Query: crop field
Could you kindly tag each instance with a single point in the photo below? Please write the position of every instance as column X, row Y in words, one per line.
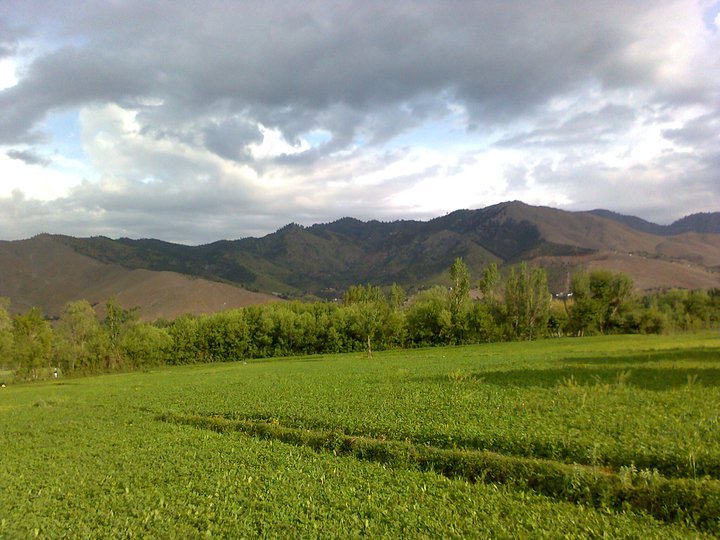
column 613, row 437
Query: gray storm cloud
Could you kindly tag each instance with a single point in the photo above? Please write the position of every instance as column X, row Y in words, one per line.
column 348, row 87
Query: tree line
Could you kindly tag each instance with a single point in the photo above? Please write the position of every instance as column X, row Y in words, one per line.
column 514, row 306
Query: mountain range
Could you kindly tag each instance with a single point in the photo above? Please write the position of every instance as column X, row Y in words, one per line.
column 322, row 260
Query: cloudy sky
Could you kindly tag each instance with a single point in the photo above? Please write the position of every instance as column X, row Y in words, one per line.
column 197, row 121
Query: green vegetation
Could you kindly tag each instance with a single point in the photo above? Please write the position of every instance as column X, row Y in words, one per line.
column 612, row 436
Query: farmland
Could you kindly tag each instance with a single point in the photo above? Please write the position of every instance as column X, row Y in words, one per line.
column 616, row 436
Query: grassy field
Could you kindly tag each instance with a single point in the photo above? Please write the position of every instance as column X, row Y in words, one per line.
column 611, row 436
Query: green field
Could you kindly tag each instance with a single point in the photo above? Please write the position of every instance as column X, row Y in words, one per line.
column 607, row 436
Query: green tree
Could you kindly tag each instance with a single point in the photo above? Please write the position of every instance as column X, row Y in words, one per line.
column 6, row 333
column 527, row 302
column 429, row 321
column 481, row 325
column 81, row 345
column 223, row 337
column 460, row 289
column 489, row 283
column 357, row 294
column 117, row 321
column 397, row 297
column 366, row 308
column 144, row 345
column 33, row 340
column 600, row 299
column 260, row 330
column 185, row 347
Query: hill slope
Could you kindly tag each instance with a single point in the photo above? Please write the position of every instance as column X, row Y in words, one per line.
column 704, row 222
column 45, row 272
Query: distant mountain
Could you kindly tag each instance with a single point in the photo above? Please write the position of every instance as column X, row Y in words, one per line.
column 704, row 223
column 322, row 260
column 633, row 222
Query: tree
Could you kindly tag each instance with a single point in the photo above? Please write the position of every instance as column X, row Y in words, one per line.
column 144, row 345
column 460, row 290
column 185, row 348
column 600, row 298
column 223, row 337
column 81, row 344
column 489, row 283
column 117, row 320
column 366, row 307
column 363, row 293
column 397, row 297
column 527, row 302
column 429, row 321
column 6, row 335
column 33, row 341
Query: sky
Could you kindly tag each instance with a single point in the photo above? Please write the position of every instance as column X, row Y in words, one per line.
column 198, row 121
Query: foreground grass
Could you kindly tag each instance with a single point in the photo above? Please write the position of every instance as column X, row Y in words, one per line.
column 91, row 457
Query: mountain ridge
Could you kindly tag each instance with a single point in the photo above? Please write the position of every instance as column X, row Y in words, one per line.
column 322, row 260
column 701, row 222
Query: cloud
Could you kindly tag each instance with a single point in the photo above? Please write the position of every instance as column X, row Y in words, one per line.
column 29, row 157
column 203, row 124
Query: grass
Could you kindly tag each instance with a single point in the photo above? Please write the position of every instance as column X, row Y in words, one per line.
column 340, row 446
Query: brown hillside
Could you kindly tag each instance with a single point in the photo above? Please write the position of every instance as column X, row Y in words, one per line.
column 703, row 249
column 653, row 254
column 648, row 273
column 583, row 229
column 46, row 273
column 651, row 274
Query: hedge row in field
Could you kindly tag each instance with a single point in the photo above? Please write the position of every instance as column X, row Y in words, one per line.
column 696, row 502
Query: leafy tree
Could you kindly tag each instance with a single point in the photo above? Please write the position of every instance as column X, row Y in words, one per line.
column 366, row 308
column 81, row 345
column 585, row 311
column 260, row 330
column 697, row 309
column 33, row 340
column 429, row 320
column 480, row 323
column 117, row 320
column 600, row 299
column 558, row 320
column 527, row 302
column 223, row 337
column 144, row 345
column 489, row 283
column 397, row 297
column 328, row 327
column 460, row 290
column 357, row 294
column 6, row 332
column 185, row 347
column 651, row 320
column 288, row 331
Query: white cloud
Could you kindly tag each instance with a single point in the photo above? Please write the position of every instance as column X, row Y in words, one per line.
column 35, row 181
column 274, row 145
column 8, row 77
